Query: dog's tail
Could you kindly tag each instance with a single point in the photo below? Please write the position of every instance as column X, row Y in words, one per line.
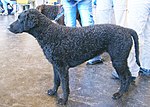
column 136, row 44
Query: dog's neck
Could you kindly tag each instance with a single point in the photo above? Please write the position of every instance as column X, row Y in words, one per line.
column 44, row 31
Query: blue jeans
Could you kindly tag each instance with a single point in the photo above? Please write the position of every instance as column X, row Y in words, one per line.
column 5, row 2
column 85, row 10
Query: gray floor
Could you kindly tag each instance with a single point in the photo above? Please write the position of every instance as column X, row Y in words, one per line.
column 25, row 77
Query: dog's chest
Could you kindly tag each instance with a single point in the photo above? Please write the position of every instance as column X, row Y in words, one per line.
column 47, row 52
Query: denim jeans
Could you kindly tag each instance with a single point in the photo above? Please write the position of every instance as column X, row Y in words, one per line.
column 85, row 10
column 5, row 2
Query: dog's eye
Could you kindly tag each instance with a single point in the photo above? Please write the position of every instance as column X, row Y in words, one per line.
column 19, row 19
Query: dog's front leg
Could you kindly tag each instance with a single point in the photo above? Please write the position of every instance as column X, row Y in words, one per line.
column 53, row 91
column 64, row 76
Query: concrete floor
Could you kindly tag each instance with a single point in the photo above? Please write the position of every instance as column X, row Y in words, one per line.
column 25, row 77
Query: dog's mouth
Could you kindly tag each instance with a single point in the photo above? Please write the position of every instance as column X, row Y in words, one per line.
column 13, row 30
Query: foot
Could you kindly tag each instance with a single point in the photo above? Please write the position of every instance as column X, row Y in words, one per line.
column 12, row 13
column 5, row 13
column 116, row 96
column 115, row 76
column 1, row 10
column 51, row 92
column 95, row 60
column 62, row 101
column 144, row 71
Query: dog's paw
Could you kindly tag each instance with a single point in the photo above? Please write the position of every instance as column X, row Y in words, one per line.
column 51, row 92
column 62, row 101
column 116, row 96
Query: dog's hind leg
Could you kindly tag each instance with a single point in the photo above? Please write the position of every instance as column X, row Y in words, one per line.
column 124, row 76
column 53, row 91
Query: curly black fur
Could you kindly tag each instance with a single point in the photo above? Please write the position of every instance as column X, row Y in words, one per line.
column 67, row 47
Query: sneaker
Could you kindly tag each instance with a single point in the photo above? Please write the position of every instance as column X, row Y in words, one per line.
column 115, row 76
column 96, row 60
column 145, row 71
column 12, row 13
column 2, row 10
column 5, row 13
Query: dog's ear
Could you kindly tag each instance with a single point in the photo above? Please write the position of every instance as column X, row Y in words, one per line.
column 40, row 8
column 31, row 20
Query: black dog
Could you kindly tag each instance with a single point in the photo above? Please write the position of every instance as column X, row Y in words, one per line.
column 67, row 47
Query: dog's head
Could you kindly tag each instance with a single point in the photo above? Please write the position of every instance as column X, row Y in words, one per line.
column 51, row 12
column 26, row 21
column 40, row 8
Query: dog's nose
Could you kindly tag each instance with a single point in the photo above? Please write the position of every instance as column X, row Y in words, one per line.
column 10, row 27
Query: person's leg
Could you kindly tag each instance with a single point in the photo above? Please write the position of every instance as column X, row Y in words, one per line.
column 5, row 7
column 14, row 5
column 95, row 2
column 1, row 8
column 120, row 11
column 39, row 2
column 20, row 8
column 137, row 20
column 104, row 12
column 69, row 13
column 85, row 10
column 146, row 46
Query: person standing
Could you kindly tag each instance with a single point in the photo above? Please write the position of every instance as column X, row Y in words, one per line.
column 111, row 11
column 5, row 6
column 115, row 12
column 85, row 10
column 139, row 20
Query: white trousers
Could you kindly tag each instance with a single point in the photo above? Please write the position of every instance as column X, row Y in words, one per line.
column 39, row 2
column 139, row 20
column 115, row 12
column 111, row 11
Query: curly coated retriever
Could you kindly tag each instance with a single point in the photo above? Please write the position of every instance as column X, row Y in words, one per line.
column 67, row 47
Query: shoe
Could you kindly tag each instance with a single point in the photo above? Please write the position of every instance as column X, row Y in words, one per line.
column 145, row 71
column 2, row 10
column 12, row 13
column 115, row 76
column 96, row 60
column 5, row 13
